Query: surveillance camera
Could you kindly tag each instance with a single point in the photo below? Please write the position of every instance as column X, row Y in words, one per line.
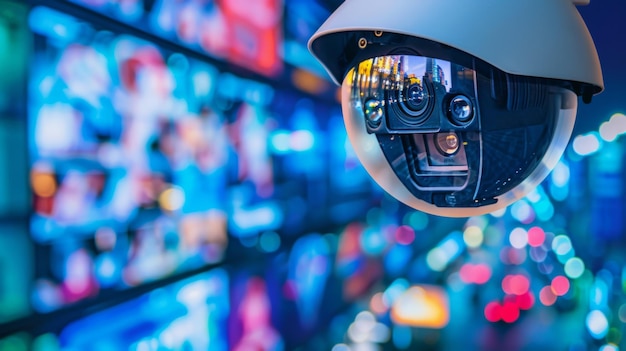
column 459, row 109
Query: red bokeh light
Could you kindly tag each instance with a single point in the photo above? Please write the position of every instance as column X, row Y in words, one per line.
column 509, row 312
column 519, row 284
column 515, row 284
column 493, row 312
column 405, row 235
column 378, row 305
column 475, row 274
column 560, row 285
column 506, row 284
column 546, row 296
column 482, row 273
column 525, row 301
column 536, row 236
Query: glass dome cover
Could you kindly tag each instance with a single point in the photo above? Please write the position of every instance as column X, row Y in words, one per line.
column 452, row 140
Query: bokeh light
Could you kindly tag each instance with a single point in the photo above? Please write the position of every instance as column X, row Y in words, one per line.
column 301, row 140
column 447, row 250
column 493, row 312
column 561, row 174
column 280, row 141
column 515, row 284
column 394, row 290
column 172, row 199
column 597, row 324
column 436, row 259
column 525, row 301
column 546, row 296
column 613, row 128
column 560, row 285
column 43, row 184
column 562, row 245
column 404, row 235
column 269, row 242
column 518, row 238
column 475, row 273
column 473, row 236
column 510, row 312
column 536, row 236
column 373, row 241
column 587, row 144
column 378, row 305
column 574, row 268
column 416, row 220
column 522, row 211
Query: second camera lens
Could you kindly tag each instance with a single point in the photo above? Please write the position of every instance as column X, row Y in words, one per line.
column 461, row 109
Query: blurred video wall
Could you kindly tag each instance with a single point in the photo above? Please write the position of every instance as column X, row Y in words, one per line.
column 177, row 176
column 164, row 138
column 144, row 160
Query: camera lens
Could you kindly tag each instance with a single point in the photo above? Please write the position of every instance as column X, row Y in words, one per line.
column 461, row 109
column 448, row 143
column 415, row 97
column 414, row 102
column 373, row 112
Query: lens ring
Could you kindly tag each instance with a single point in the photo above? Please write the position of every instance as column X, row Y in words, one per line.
column 461, row 109
column 448, row 144
column 415, row 98
column 415, row 102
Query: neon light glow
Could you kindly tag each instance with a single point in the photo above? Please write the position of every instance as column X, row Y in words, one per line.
column 422, row 306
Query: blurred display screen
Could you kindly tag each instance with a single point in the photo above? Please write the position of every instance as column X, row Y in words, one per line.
column 256, row 307
column 188, row 315
column 247, row 33
column 13, row 63
column 251, row 324
column 119, row 139
column 142, row 168
column 15, row 251
column 302, row 19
